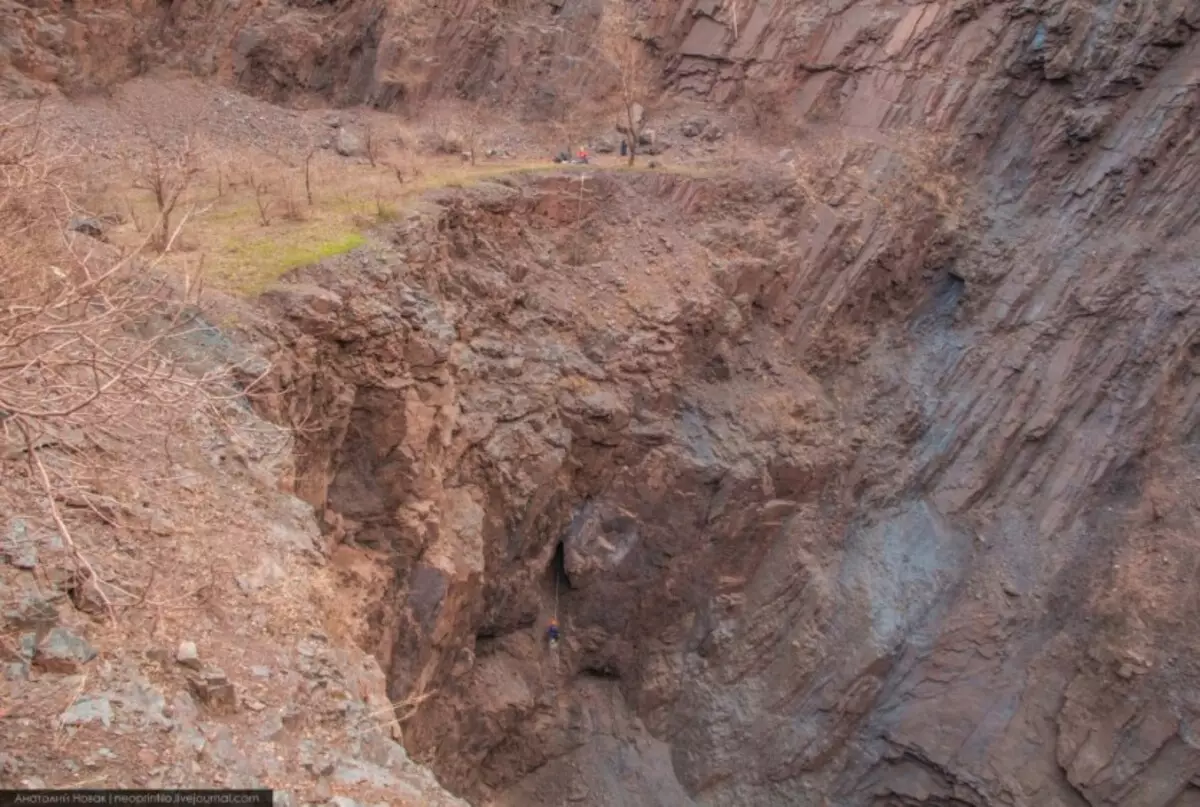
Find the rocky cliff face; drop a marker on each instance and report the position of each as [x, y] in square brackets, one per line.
[385, 54]
[836, 521]
[834, 510]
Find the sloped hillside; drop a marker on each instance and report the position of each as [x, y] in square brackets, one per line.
[864, 476]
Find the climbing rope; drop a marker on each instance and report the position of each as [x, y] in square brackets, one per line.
[552, 631]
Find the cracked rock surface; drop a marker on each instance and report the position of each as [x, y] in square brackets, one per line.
[843, 519]
[832, 522]
[832, 512]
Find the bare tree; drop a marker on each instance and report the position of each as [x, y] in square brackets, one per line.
[85, 331]
[262, 198]
[573, 116]
[308, 158]
[471, 123]
[370, 145]
[166, 169]
[625, 52]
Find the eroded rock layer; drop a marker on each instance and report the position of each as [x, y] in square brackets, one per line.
[839, 512]
[833, 511]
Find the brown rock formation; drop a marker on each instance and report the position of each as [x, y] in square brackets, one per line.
[840, 512]
[842, 524]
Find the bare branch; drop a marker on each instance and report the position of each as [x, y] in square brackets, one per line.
[35, 459]
[625, 53]
[88, 334]
[166, 170]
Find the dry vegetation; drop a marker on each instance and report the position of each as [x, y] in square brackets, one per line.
[131, 468]
[625, 52]
[257, 215]
[85, 331]
[252, 215]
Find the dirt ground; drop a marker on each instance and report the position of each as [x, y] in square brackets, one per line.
[266, 189]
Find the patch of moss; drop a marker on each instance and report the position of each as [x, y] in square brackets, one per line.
[251, 266]
[302, 255]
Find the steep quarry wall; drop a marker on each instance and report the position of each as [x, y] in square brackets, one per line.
[837, 525]
[376, 52]
[863, 65]
[849, 513]
[842, 523]
[535, 402]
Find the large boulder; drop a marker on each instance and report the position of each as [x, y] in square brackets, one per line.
[347, 143]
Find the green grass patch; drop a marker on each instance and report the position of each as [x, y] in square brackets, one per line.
[301, 255]
[242, 256]
[250, 266]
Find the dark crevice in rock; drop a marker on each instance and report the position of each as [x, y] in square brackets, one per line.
[556, 572]
[606, 671]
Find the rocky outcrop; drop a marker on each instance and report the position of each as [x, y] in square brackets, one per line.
[834, 508]
[515, 459]
[834, 517]
[351, 53]
[232, 666]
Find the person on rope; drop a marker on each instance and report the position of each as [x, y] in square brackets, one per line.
[552, 632]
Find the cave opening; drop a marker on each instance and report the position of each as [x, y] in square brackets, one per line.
[604, 671]
[556, 573]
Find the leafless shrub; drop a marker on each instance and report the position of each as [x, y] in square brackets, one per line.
[262, 198]
[406, 165]
[913, 179]
[384, 210]
[625, 53]
[923, 177]
[456, 127]
[439, 135]
[370, 143]
[165, 168]
[472, 122]
[275, 179]
[407, 708]
[292, 210]
[222, 169]
[308, 175]
[85, 331]
[138, 226]
[828, 170]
